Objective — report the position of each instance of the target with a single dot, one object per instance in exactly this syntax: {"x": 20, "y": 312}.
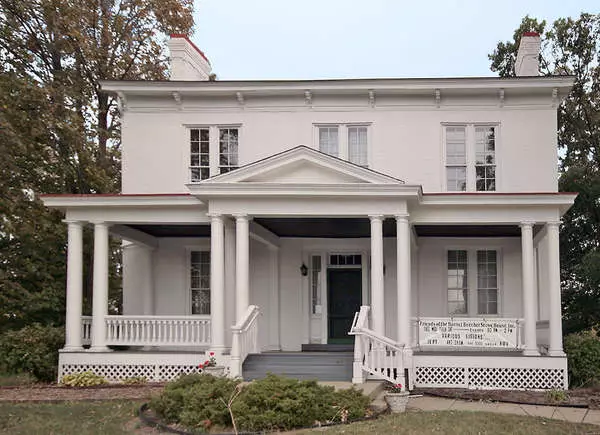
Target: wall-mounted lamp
{"x": 304, "y": 269}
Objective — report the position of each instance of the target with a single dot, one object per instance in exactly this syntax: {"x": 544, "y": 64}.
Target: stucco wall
{"x": 403, "y": 142}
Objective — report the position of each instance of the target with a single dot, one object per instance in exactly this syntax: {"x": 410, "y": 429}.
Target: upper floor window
{"x": 346, "y": 141}
{"x": 200, "y": 281}
{"x": 213, "y": 151}
{"x": 470, "y": 157}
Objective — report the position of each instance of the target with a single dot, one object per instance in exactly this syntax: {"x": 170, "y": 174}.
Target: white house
{"x": 394, "y": 227}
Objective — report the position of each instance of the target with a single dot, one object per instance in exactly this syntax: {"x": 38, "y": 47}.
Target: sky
{"x": 313, "y": 39}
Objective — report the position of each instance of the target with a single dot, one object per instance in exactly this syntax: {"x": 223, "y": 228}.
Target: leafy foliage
{"x": 32, "y": 349}
{"x": 273, "y": 403}
{"x": 60, "y": 134}
{"x": 135, "y": 380}
{"x": 572, "y": 46}
{"x": 84, "y": 379}
{"x": 583, "y": 352}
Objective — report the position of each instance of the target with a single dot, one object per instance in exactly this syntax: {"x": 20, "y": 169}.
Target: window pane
{"x": 456, "y": 146}
{"x": 485, "y": 145}
{"x": 315, "y": 283}
{"x": 457, "y": 178}
{"x": 357, "y": 145}
{"x": 200, "y": 281}
{"x": 228, "y": 149}
{"x": 487, "y": 282}
{"x": 328, "y": 140}
{"x": 458, "y": 283}
{"x": 199, "y": 154}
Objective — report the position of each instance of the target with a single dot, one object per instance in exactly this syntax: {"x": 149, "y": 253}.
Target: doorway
{"x": 344, "y": 298}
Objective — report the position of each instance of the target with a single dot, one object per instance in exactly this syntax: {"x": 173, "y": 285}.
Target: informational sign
{"x": 457, "y": 332}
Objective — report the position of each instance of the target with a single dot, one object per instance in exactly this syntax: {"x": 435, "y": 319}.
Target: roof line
{"x": 497, "y": 193}
{"x": 108, "y": 195}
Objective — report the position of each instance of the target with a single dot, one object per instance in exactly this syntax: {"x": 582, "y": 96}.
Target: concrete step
{"x": 322, "y": 366}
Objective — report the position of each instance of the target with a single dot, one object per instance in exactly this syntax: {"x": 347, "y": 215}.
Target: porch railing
{"x": 375, "y": 354}
{"x": 158, "y": 330}
{"x": 244, "y": 340}
{"x": 86, "y": 330}
{"x": 473, "y": 333}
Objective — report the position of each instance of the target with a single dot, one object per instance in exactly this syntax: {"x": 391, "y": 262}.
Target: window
{"x": 213, "y": 151}
{"x": 487, "y": 282}
{"x": 458, "y": 282}
{"x": 473, "y": 277}
{"x": 345, "y": 260}
{"x": 315, "y": 283}
{"x": 346, "y": 141}
{"x": 200, "y": 281}
{"x": 357, "y": 145}
{"x": 228, "y": 149}
{"x": 470, "y": 157}
{"x": 199, "y": 154}
{"x": 328, "y": 141}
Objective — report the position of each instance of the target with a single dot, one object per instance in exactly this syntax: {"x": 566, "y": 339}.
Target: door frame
{"x": 365, "y": 287}
{"x": 335, "y": 267}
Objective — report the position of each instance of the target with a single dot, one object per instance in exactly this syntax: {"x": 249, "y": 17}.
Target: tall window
{"x": 199, "y": 154}
{"x": 228, "y": 149}
{"x": 315, "y": 283}
{"x": 357, "y": 145}
{"x": 328, "y": 141}
{"x": 346, "y": 141}
{"x": 458, "y": 282}
{"x": 487, "y": 282}
{"x": 470, "y": 154}
{"x": 200, "y": 281}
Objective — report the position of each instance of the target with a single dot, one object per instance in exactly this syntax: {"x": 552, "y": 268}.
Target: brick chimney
{"x": 188, "y": 62}
{"x": 528, "y": 63}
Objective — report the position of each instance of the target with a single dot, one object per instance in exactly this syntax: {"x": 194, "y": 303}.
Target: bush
{"x": 32, "y": 349}
{"x": 84, "y": 379}
{"x": 135, "y": 380}
{"x": 583, "y": 352}
{"x": 273, "y": 403}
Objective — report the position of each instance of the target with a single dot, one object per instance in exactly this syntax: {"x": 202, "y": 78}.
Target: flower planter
{"x": 397, "y": 401}
{"x": 214, "y": 371}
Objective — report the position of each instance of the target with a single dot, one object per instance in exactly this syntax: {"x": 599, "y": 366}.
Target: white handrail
{"x": 244, "y": 340}
{"x": 374, "y": 353}
{"x": 139, "y": 330}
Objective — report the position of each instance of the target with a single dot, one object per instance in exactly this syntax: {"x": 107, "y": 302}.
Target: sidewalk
{"x": 574, "y": 415}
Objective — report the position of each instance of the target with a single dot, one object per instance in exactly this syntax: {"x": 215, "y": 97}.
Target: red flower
{"x": 212, "y": 354}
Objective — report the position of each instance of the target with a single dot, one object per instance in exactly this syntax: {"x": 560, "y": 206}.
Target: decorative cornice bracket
{"x": 501, "y": 97}
{"x": 554, "y": 98}
{"x": 438, "y": 98}
{"x": 121, "y": 103}
{"x": 177, "y": 98}
{"x": 372, "y": 98}
{"x": 308, "y": 98}
{"x": 240, "y": 98}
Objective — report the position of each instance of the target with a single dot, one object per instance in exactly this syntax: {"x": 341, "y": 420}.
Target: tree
{"x": 59, "y": 133}
{"x": 572, "y": 46}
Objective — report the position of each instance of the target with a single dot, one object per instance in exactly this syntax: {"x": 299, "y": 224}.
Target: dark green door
{"x": 344, "y": 288}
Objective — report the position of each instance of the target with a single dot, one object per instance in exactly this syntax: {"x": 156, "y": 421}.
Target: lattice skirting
{"x": 116, "y": 372}
{"x": 488, "y": 378}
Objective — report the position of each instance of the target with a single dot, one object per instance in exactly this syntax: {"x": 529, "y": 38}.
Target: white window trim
{"x": 213, "y": 146}
{"x": 343, "y": 138}
{"x": 470, "y": 150}
{"x": 188, "y": 279}
{"x": 472, "y": 306}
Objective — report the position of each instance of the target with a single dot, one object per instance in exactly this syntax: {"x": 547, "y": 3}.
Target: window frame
{"x": 187, "y": 278}
{"x": 472, "y": 275}
{"x": 471, "y": 150}
{"x": 343, "y": 139}
{"x": 213, "y": 147}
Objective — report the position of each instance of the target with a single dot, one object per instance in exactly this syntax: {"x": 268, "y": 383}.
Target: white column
{"x": 73, "y": 324}
{"x": 553, "y": 267}
{"x": 100, "y": 287}
{"x": 529, "y": 307}
{"x": 230, "y": 318}
{"x": 403, "y": 278}
{"x": 147, "y": 272}
{"x": 274, "y": 337}
{"x": 377, "y": 296}
{"x": 217, "y": 284}
{"x": 242, "y": 265}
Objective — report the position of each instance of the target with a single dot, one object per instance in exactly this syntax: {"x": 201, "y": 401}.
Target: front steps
{"x": 320, "y": 366}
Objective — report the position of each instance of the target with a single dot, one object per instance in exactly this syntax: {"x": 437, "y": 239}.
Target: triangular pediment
{"x": 303, "y": 165}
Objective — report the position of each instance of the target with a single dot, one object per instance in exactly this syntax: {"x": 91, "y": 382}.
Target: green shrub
{"x": 135, "y": 380}
{"x": 556, "y": 396}
{"x": 273, "y": 403}
{"x": 583, "y": 352}
{"x": 83, "y": 379}
{"x": 32, "y": 349}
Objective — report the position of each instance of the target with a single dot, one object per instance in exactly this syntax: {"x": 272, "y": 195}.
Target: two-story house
{"x": 341, "y": 229}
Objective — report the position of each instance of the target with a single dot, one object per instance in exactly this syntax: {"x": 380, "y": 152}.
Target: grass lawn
{"x": 117, "y": 417}
{"x": 10, "y": 380}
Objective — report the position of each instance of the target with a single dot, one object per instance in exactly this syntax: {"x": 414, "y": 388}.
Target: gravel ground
{"x": 55, "y": 393}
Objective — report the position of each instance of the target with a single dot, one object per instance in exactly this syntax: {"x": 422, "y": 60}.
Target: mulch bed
{"x": 580, "y": 397}
{"x": 57, "y": 393}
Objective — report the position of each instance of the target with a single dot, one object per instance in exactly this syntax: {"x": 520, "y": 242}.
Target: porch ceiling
{"x": 174, "y": 230}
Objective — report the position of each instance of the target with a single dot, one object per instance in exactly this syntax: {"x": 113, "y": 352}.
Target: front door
{"x": 344, "y": 295}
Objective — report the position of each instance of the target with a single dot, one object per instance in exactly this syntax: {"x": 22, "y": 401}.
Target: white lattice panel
{"x": 516, "y": 378}
{"x": 451, "y": 377}
{"x": 168, "y": 372}
{"x": 116, "y": 372}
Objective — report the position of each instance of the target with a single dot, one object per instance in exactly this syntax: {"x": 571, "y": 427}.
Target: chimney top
{"x": 188, "y": 62}
{"x": 194, "y": 46}
{"x": 527, "y": 63}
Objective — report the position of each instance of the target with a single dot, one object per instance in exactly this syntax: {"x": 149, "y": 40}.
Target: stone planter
{"x": 214, "y": 371}
{"x": 397, "y": 401}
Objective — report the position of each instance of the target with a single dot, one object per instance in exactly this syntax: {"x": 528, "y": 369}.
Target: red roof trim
{"x": 110, "y": 195}
{"x": 498, "y": 193}
{"x": 531, "y": 34}
{"x": 184, "y": 36}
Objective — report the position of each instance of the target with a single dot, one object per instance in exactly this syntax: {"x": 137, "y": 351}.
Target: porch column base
{"x": 100, "y": 349}
{"x": 558, "y": 352}
{"x": 68, "y": 349}
{"x": 531, "y": 352}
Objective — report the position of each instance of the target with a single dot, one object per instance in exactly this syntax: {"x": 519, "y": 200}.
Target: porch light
{"x": 304, "y": 269}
